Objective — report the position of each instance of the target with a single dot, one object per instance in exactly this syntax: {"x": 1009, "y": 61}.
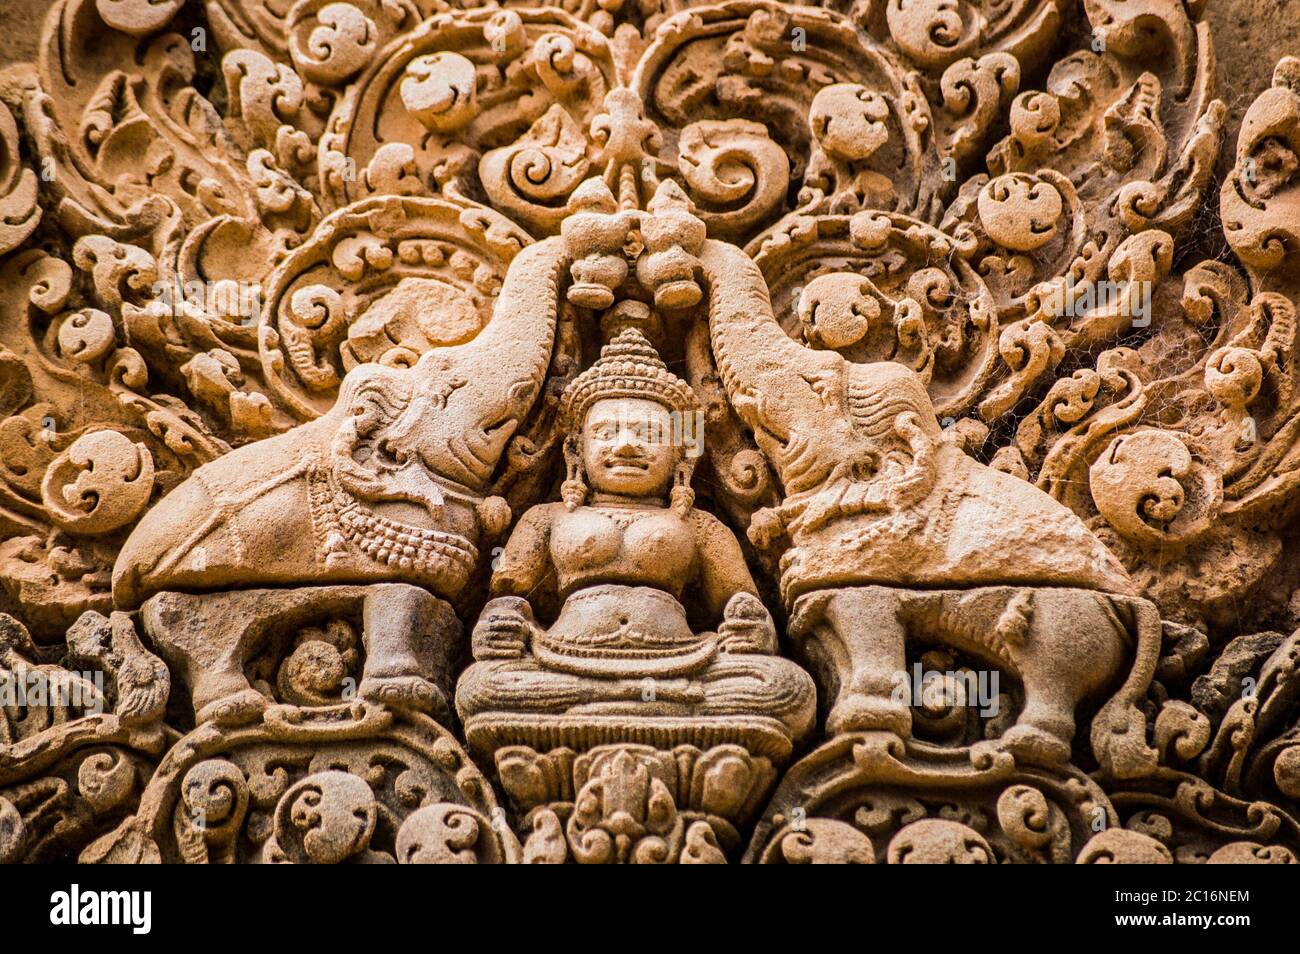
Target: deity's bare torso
{"x": 627, "y": 542}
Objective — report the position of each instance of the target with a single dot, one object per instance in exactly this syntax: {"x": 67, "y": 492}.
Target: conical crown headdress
{"x": 628, "y": 367}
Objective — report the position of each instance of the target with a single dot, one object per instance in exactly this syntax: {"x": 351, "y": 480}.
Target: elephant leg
{"x": 863, "y": 636}
{"x": 1045, "y": 730}
{"x": 207, "y": 638}
{"x": 409, "y": 638}
{"x": 1072, "y": 647}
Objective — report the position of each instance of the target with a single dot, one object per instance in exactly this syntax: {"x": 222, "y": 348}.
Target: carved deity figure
{"x": 389, "y": 487}
{"x": 891, "y": 533}
{"x": 659, "y": 625}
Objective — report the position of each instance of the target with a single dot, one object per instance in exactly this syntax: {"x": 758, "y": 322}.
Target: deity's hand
{"x": 766, "y": 528}
{"x": 503, "y": 629}
{"x": 746, "y": 627}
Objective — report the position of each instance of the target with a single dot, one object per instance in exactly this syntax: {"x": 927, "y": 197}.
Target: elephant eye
{"x": 368, "y": 415}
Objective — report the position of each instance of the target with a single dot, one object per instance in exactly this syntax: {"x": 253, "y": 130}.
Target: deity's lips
{"x": 636, "y": 466}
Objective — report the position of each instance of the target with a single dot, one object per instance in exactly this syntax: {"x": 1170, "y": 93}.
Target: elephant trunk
{"x": 516, "y": 345}
{"x": 754, "y": 354}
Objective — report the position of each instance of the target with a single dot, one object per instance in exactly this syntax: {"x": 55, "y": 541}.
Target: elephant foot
{"x": 241, "y": 708}
{"x": 868, "y": 714}
{"x": 1027, "y": 744}
{"x": 407, "y": 693}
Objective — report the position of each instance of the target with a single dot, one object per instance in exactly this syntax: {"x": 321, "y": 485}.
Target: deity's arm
{"x": 728, "y": 593}
{"x": 722, "y": 569}
{"x": 525, "y": 563}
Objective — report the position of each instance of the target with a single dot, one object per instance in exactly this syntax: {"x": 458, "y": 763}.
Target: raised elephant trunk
{"x": 783, "y": 390}
{"x": 516, "y": 344}
{"x": 388, "y": 485}
{"x": 755, "y": 356}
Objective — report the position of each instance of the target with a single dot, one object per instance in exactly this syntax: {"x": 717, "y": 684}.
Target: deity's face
{"x": 628, "y": 448}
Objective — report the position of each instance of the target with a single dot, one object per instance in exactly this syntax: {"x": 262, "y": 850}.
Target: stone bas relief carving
{"x": 662, "y": 433}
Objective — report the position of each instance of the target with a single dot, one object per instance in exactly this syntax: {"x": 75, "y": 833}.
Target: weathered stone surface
{"x": 661, "y": 433}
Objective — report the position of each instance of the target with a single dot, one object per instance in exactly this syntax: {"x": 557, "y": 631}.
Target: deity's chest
{"x": 624, "y": 545}
{"x": 622, "y": 571}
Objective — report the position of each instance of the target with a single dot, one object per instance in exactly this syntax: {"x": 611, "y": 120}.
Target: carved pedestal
{"x": 633, "y": 804}
{"x": 647, "y": 782}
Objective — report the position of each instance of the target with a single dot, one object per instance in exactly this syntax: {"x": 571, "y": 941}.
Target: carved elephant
{"x": 389, "y": 486}
{"x": 889, "y": 530}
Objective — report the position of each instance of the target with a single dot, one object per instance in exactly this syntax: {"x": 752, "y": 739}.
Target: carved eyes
{"x": 644, "y": 432}
{"x": 368, "y": 416}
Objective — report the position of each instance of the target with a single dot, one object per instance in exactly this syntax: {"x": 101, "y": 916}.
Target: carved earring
{"x": 574, "y": 489}
{"x": 682, "y": 498}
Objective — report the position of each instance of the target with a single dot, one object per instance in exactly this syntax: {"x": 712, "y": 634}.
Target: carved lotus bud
{"x": 100, "y": 483}
{"x": 334, "y": 44}
{"x": 1252, "y": 853}
{"x": 1117, "y": 846}
{"x": 326, "y": 818}
{"x": 1034, "y": 117}
{"x": 136, "y": 17}
{"x": 1258, "y": 200}
{"x": 939, "y": 841}
{"x": 86, "y": 336}
{"x": 931, "y": 32}
{"x": 445, "y": 834}
{"x": 836, "y": 310}
{"x": 849, "y": 121}
{"x": 416, "y": 316}
{"x": 1234, "y": 376}
{"x": 1286, "y": 771}
{"x": 1149, "y": 487}
{"x": 505, "y": 34}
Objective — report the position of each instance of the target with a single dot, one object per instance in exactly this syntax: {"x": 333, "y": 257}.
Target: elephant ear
{"x": 385, "y": 280}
